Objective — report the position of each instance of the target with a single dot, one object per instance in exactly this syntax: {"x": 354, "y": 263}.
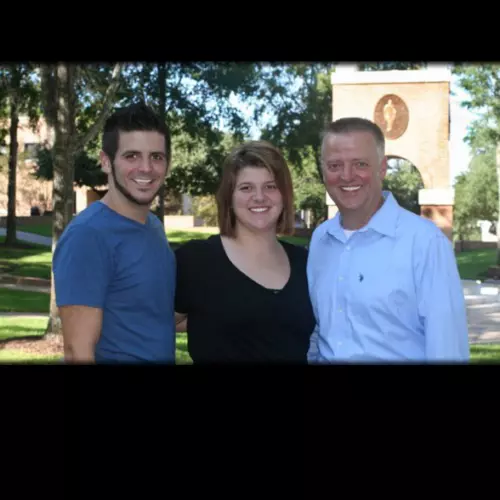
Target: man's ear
{"x": 105, "y": 162}
{"x": 383, "y": 169}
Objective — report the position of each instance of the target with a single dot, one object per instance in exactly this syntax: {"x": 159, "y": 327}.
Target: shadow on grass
{"x": 21, "y": 246}
{"x": 296, "y": 240}
{"x": 31, "y": 270}
{"x": 15, "y": 332}
{"x": 24, "y": 301}
{"x": 180, "y": 237}
{"x": 485, "y": 354}
{"x": 474, "y": 264}
{"x": 41, "y": 229}
{"x": 25, "y": 259}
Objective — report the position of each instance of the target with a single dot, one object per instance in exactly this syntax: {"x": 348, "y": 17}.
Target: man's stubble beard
{"x": 127, "y": 194}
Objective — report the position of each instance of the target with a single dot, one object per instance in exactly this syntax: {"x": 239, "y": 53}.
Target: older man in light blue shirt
{"x": 383, "y": 281}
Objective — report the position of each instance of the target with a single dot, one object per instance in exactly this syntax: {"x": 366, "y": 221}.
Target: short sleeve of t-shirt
{"x": 82, "y": 267}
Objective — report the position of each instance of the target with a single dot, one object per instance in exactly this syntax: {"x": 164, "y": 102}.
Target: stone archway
{"x": 412, "y": 108}
{"x": 405, "y": 181}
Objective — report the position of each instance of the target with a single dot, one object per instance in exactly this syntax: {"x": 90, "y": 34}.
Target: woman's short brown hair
{"x": 255, "y": 154}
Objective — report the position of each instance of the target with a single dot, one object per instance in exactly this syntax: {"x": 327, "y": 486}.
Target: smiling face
{"x": 139, "y": 167}
{"x": 353, "y": 171}
{"x": 257, "y": 202}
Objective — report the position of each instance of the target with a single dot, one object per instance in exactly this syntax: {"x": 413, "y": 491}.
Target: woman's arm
{"x": 180, "y": 322}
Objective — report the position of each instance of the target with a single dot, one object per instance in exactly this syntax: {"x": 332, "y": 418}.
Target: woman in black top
{"x": 242, "y": 295}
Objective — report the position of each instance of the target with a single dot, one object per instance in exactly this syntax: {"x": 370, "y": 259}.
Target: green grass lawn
{"x": 11, "y": 328}
{"x": 36, "y": 262}
{"x": 23, "y": 301}
{"x": 25, "y": 260}
{"x": 474, "y": 264}
{"x": 485, "y": 353}
{"x": 41, "y": 229}
{"x": 178, "y": 237}
{"x": 175, "y": 236}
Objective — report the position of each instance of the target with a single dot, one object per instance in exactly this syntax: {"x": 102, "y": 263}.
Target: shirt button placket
{"x": 341, "y": 296}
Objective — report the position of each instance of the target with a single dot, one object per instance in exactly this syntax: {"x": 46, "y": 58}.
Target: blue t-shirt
{"x": 127, "y": 269}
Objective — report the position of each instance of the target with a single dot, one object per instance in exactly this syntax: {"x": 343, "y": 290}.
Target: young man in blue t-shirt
{"x": 113, "y": 268}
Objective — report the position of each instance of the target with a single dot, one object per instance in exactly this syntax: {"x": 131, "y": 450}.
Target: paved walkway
{"x": 483, "y": 311}
{"x": 24, "y": 315}
{"x": 483, "y": 299}
{"x": 30, "y": 237}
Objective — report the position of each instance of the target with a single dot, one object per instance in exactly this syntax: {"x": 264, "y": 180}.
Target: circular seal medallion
{"x": 392, "y": 116}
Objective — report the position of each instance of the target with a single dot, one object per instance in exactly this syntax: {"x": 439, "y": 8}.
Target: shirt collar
{"x": 384, "y": 220}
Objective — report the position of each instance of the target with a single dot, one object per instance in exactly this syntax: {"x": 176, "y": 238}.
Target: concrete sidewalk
{"x": 24, "y": 315}
{"x": 30, "y": 237}
{"x": 25, "y": 288}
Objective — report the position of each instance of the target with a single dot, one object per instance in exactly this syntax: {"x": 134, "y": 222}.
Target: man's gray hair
{"x": 355, "y": 124}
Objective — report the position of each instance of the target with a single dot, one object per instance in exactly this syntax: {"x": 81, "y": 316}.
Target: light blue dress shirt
{"x": 390, "y": 292}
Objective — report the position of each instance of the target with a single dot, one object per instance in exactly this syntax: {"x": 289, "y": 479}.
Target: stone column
{"x": 332, "y": 208}
{"x": 437, "y": 205}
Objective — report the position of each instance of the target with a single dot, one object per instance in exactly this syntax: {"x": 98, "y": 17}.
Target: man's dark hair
{"x": 136, "y": 117}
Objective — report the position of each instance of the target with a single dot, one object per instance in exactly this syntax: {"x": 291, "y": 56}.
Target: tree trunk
{"x": 59, "y": 102}
{"x": 10, "y": 238}
{"x": 62, "y": 190}
{"x": 498, "y": 216}
{"x": 162, "y": 87}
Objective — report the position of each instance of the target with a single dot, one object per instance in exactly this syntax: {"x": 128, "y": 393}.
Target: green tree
{"x": 20, "y": 90}
{"x": 297, "y": 113}
{"x": 205, "y": 207}
{"x": 198, "y": 99}
{"x": 68, "y": 91}
{"x": 198, "y": 105}
{"x": 391, "y": 65}
{"x": 297, "y": 98}
{"x": 482, "y": 83}
{"x": 197, "y": 163}
{"x": 482, "y": 185}
{"x": 465, "y": 224}
{"x": 162, "y": 108}
{"x": 404, "y": 181}
{"x": 476, "y": 191}
{"x": 309, "y": 190}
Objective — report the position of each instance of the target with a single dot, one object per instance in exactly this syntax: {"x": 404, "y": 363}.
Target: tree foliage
{"x": 297, "y": 101}
{"x": 65, "y": 100}
{"x": 482, "y": 83}
{"x": 197, "y": 163}
{"x": 309, "y": 190}
{"x": 199, "y": 104}
{"x": 476, "y": 191}
{"x": 391, "y": 65}
{"x": 298, "y": 113}
{"x": 87, "y": 168}
{"x": 404, "y": 181}
{"x": 20, "y": 93}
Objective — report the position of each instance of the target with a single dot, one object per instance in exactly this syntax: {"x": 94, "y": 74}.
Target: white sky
{"x": 461, "y": 118}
